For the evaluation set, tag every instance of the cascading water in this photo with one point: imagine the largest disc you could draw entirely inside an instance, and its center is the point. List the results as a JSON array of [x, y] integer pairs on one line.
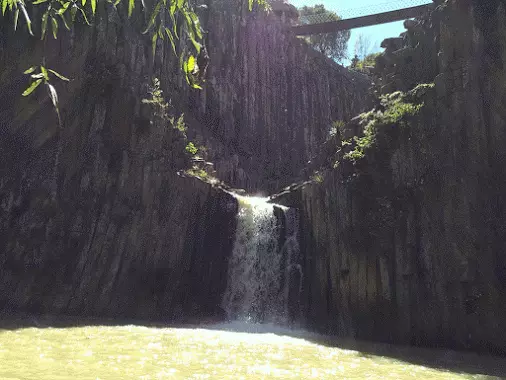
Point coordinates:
[[261, 267]]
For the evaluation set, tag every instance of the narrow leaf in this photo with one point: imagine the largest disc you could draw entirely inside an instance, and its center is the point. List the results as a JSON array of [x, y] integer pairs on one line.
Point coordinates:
[[44, 72], [131, 6], [27, 18], [59, 75], [16, 17], [84, 16], [30, 70], [195, 44], [53, 94], [63, 8], [65, 22], [93, 5], [4, 6], [83, 2], [160, 32], [171, 38], [54, 98], [153, 42], [37, 76], [196, 24], [39, 2], [32, 87], [44, 25], [153, 16], [54, 24]]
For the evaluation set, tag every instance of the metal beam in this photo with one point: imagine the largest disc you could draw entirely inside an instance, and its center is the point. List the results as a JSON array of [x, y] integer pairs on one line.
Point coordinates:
[[358, 22]]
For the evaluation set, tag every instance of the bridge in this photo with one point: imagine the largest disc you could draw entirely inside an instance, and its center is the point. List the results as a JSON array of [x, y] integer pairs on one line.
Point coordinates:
[[360, 17]]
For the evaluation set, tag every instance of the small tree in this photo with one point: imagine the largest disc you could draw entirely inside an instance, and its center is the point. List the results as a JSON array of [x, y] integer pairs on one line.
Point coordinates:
[[363, 46], [333, 45]]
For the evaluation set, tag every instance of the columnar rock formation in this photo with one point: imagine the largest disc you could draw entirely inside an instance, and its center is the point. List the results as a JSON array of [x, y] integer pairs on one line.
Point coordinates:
[[270, 99], [404, 240], [95, 220]]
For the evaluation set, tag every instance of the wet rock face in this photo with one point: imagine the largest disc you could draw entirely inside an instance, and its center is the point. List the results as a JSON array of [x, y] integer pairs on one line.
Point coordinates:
[[408, 245]]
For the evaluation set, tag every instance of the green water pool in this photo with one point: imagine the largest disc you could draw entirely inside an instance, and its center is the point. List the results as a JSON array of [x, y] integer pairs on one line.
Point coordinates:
[[136, 352]]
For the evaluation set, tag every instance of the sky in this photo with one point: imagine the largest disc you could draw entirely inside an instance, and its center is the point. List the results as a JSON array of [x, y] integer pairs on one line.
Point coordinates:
[[375, 34]]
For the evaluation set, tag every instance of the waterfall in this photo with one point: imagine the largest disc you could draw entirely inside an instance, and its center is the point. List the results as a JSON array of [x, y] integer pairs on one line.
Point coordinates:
[[264, 257]]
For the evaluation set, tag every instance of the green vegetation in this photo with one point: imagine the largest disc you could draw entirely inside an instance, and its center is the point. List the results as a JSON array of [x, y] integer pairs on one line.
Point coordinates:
[[317, 177], [363, 65], [191, 149], [333, 45], [168, 21], [381, 125]]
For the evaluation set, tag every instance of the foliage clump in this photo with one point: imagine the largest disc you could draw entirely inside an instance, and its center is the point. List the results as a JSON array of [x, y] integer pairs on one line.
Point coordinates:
[[364, 65], [333, 45], [381, 124]]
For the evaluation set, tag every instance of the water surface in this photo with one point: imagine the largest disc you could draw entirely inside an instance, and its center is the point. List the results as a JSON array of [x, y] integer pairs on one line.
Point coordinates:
[[137, 352]]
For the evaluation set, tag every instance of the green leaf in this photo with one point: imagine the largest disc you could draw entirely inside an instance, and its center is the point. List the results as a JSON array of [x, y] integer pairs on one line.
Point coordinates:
[[59, 75], [196, 45], [250, 4], [65, 22], [153, 43], [27, 18], [191, 63], [16, 17], [93, 5], [84, 16], [160, 32], [131, 6], [153, 16], [44, 72], [180, 3], [30, 70], [37, 76], [171, 38], [39, 2], [63, 8], [4, 6], [83, 3], [32, 87], [54, 25], [196, 25], [44, 25]]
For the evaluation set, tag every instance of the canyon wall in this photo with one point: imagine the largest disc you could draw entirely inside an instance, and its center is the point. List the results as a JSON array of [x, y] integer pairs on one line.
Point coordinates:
[[404, 238], [270, 99], [98, 217]]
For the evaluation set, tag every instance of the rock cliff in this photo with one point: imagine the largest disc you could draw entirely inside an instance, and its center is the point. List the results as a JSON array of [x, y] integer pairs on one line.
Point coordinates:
[[95, 218], [404, 239]]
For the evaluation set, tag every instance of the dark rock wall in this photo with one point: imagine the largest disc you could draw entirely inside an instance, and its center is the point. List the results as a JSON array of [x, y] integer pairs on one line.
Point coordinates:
[[270, 99], [95, 220], [409, 245]]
